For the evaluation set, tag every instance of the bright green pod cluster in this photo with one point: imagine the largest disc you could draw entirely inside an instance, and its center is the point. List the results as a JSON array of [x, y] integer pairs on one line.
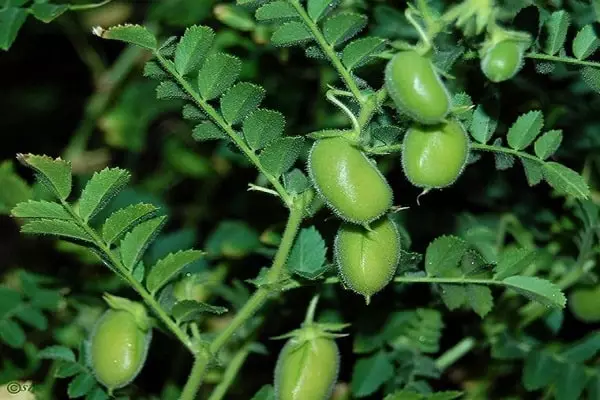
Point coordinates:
[[350, 183], [416, 88], [117, 348], [367, 258], [434, 156], [502, 61], [307, 367]]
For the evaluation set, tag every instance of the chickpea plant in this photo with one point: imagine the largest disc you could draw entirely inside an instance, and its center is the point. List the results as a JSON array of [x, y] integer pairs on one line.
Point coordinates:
[[417, 117]]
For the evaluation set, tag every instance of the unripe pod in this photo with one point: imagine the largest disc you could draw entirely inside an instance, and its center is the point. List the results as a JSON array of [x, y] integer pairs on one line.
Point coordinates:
[[307, 367], [584, 304], [416, 88], [434, 156], [502, 61], [349, 182], [117, 348], [367, 259]]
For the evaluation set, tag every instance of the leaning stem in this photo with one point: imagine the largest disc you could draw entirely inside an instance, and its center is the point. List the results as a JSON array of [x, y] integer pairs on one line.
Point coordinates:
[[328, 50], [126, 274], [455, 353], [221, 123], [256, 301]]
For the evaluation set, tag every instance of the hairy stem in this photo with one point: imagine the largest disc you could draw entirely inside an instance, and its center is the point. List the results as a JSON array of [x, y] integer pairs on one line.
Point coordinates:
[[455, 353], [126, 274], [230, 374], [566, 60], [506, 150], [256, 301], [221, 123], [328, 50]]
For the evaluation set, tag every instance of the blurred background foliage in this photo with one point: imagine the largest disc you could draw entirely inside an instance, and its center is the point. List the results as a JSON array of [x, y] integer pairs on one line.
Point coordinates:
[[67, 93]]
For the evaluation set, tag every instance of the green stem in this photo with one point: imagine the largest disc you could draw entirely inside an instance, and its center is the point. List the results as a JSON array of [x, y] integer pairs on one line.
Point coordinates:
[[221, 123], [312, 308], [126, 274], [230, 374], [329, 51], [256, 301], [441, 280], [455, 353], [498, 149], [566, 60]]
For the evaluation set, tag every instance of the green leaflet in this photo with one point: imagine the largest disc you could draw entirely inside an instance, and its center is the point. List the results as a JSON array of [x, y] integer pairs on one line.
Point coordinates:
[[168, 267], [262, 127], [55, 174], [100, 189], [134, 34], [134, 243], [307, 257], [217, 74], [192, 49], [123, 220]]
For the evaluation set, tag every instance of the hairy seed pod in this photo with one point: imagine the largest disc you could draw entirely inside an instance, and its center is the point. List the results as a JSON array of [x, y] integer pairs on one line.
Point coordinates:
[[350, 183], [434, 156], [416, 88], [367, 259], [307, 367], [117, 348], [502, 61]]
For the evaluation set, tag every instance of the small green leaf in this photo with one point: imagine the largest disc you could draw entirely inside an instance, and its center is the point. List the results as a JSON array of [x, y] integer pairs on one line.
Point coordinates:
[[193, 48], [570, 382], [11, 20], [67, 369], [583, 350], [262, 127], [565, 180], [503, 161], [56, 227], [539, 370], [15, 189], [453, 296], [483, 124], [207, 130], [591, 77], [100, 189], [371, 373], [81, 385], [533, 171], [556, 29], [525, 129], [536, 289], [153, 70], [57, 353], [443, 256], [279, 10], [47, 12], [513, 261], [241, 100], [548, 143], [135, 242], [12, 334], [342, 27], [189, 310], [192, 113], [32, 317], [217, 74], [167, 268], [170, 90], [307, 257], [97, 393], [296, 181], [233, 239], [479, 299], [361, 51], [291, 33], [267, 392], [123, 220], [317, 9], [40, 209], [55, 174], [281, 155], [585, 43], [134, 34]]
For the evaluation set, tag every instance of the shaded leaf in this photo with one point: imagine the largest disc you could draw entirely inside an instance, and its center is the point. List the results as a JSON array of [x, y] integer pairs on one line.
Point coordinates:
[[46, 12], [193, 48], [539, 370], [12, 334], [207, 130], [369, 374], [525, 129], [241, 100], [167, 268], [570, 382], [135, 242], [262, 127], [100, 189], [233, 239], [533, 171], [11, 20], [565, 181], [591, 76], [361, 51], [123, 220], [55, 174], [480, 299], [281, 155], [189, 310], [134, 34], [483, 125], [170, 90], [40, 209], [56, 227], [307, 257]]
